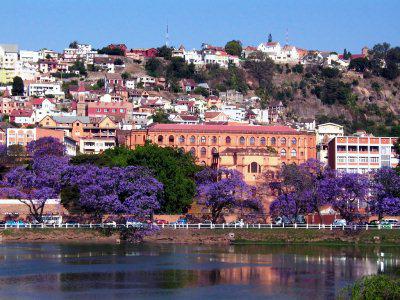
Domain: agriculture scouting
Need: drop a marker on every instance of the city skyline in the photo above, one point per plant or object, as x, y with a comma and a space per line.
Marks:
303, 25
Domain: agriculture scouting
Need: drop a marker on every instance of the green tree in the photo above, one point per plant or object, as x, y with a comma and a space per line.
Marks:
359, 64
174, 169
79, 65
201, 91
154, 67
125, 75
73, 45
17, 86
118, 62
234, 47
165, 52
160, 116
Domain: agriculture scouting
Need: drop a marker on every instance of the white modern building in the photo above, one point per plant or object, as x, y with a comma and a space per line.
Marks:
44, 89
361, 154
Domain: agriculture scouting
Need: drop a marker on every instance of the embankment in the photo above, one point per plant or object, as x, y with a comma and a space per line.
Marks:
208, 236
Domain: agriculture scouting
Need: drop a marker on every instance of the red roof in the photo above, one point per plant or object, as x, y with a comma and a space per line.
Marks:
21, 113
39, 101
353, 56
222, 128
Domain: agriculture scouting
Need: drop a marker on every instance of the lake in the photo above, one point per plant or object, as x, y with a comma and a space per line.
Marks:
160, 271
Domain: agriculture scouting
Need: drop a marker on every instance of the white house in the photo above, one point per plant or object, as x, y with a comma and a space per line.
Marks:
235, 114
130, 84
43, 89
28, 56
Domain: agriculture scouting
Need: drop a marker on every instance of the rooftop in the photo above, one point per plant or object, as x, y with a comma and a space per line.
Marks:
222, 128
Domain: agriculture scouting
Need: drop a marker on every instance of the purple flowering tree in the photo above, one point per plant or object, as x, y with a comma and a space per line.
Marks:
346, 192
223, 191
298, 189
385, 190
131, 190
35, 184
46, 146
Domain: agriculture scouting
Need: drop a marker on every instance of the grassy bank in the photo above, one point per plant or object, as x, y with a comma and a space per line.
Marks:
211, 236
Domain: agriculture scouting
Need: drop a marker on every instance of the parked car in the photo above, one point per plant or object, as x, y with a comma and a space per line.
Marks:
238, 223
51, 220
181, 221
373, 223
13, 223
339, 222
282, 220
387, 223
133, 223
160, 222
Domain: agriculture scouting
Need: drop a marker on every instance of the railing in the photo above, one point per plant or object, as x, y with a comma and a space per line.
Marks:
200, 226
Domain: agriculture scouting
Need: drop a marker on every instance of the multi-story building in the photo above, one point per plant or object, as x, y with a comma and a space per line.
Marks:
44, 89
28, 56
325, 133
212, 143
8, 59
22, 136
355, 154
95, 145
78, 127
119, 110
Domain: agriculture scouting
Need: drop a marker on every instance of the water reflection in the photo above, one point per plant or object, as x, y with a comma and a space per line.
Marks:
176, 271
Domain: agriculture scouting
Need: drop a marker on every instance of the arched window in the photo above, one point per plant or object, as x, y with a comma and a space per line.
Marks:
252, 140
283, 153
160, 138
294, 141
203, 139
293, 153
254, 168
203, 151
273, 141
228, 140
214, 140
193, 151
171, 139
242, 140
214, 150
181, 150
192, 139
283, 141
262, 141
181, 139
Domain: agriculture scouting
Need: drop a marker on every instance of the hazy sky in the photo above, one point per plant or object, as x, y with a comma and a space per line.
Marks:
324, 25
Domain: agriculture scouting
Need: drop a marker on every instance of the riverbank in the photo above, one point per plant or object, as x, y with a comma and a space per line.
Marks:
210, 236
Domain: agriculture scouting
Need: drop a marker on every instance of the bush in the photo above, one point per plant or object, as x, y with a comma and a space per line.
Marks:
376, 86
330, 72
373, 287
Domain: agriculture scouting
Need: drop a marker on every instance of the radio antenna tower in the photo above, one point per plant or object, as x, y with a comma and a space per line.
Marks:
167, 37
287, 36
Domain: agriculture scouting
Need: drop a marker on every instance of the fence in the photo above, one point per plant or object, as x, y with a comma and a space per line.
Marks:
200, 226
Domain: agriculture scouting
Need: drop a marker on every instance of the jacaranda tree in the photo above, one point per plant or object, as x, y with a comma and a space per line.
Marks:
104, 190
385, 193
223, 190
35, 184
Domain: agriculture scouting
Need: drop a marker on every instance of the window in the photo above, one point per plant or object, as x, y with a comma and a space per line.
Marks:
228, 140
363, 159
114, 110
242, 140
193, 151
192, 139
214, 140
252, 140
203, 151
294, 141
105, 110
121, 110
214, 150
341, 159
283, 153
254, 168
273, 141
171, 139
374, 159
181, 139
283, 141
352, 159
262, 141
293, 153
98, 110
160, 138
203, 139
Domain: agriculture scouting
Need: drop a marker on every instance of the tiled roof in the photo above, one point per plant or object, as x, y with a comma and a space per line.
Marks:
222, 128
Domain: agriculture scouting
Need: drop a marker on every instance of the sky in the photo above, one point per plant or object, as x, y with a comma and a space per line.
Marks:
324, 25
